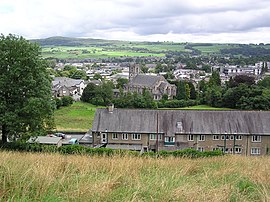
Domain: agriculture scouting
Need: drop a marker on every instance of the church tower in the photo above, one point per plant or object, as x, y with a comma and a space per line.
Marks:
134, 69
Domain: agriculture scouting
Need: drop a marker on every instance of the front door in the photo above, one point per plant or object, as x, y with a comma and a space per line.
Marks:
104, 138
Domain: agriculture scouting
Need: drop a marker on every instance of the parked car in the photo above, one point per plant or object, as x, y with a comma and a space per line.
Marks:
62, 135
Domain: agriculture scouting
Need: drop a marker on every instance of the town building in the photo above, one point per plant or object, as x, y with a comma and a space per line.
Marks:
63, 86
157, 85
235, 132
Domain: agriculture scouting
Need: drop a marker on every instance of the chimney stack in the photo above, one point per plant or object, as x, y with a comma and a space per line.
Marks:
110, 107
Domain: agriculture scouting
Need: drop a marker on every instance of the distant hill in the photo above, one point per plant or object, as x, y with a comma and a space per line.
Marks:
66, 41
84, 48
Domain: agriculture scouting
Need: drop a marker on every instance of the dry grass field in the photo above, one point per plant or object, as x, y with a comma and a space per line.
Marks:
55, 177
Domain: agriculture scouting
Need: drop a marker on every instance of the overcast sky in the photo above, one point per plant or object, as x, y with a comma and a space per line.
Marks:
233, 21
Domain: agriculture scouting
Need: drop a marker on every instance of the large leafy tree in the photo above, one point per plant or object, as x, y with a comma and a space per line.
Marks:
26, 105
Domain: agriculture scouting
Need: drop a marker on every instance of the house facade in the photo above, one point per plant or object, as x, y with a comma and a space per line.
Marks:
62, 86
234, 132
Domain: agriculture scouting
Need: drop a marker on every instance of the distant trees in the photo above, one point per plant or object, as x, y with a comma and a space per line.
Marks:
121, 82
135, 100
71, 72
98, 95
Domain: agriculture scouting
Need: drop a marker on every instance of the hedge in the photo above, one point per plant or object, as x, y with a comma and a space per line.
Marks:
79, 149
189, 153
177, 103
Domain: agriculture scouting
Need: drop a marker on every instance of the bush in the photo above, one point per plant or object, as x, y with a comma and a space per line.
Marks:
67, 100
189, 153
58, 103
177, 103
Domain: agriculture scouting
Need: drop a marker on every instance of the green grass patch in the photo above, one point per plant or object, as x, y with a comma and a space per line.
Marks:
77, 117
63, 52
205, 107
198, 107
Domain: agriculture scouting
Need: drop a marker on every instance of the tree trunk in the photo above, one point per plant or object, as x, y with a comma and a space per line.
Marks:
4, 133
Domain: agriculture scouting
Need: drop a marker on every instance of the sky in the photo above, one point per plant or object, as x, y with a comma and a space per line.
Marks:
215, 21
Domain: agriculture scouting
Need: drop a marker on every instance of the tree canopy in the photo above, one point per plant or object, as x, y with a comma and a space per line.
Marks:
26, 105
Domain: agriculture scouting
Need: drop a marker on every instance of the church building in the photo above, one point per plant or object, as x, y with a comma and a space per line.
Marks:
156, 85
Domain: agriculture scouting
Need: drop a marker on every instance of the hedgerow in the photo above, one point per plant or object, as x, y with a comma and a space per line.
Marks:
82, 150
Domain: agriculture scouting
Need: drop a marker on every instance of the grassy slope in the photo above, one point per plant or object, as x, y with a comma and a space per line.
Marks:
53, 177
79, 116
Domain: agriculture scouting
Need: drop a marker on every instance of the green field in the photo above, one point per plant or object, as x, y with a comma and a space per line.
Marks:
204, 107
63, 52
79, 48
79, 116
76, 48
214, 48
55, 177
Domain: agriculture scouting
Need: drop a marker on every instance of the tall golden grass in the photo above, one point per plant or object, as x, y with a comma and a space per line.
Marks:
55, 177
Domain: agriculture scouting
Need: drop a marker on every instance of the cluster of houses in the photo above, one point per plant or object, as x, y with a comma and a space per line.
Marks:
156, 84
234, 132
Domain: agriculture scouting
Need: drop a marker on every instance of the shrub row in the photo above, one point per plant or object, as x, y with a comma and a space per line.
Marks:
78, 149
189, 153
177, 103
68, 149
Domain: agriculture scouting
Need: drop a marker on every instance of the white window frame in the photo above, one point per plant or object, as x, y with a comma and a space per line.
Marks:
256, 138
238, 137
201, 138
136, 136
222, 137
190, 138
227, 137
114, 136
124, 136
231, 137
215, 137
238, 150
154, 136
255, 151
169, 139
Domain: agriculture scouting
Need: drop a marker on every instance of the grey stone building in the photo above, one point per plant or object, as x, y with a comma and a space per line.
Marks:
156, 85
235, 132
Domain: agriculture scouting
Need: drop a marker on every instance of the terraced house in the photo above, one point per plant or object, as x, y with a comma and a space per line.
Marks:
234, 132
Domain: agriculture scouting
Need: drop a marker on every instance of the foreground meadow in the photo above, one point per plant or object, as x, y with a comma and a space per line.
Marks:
55, 177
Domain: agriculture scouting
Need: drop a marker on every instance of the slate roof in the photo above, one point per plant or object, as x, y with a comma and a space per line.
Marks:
64, 81
145, 80
45, 140
171, 122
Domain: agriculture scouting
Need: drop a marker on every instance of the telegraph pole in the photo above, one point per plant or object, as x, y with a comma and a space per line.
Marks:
157, 135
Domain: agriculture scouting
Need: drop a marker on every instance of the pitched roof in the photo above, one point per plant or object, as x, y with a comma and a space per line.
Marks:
68, 82
45, 140
145, 80
182, 121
